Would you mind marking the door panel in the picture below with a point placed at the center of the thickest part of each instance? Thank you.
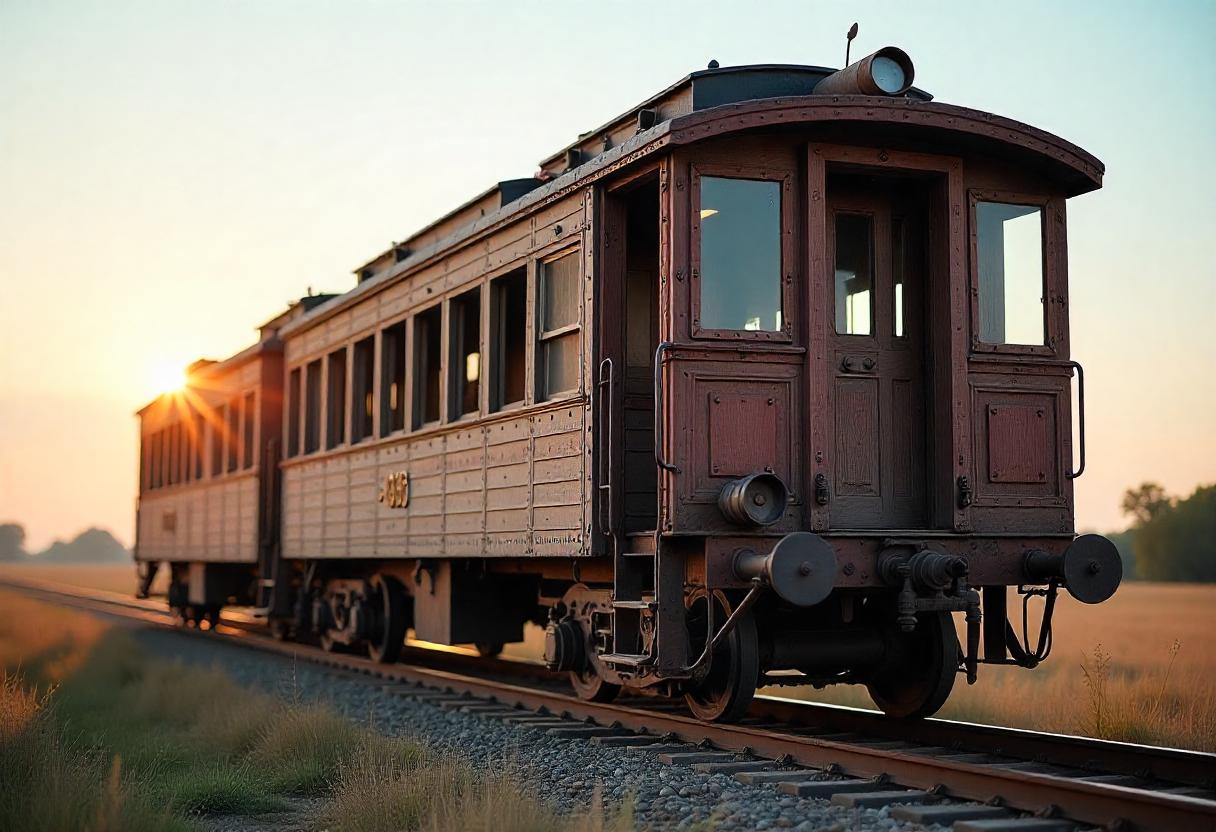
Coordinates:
(877, 343)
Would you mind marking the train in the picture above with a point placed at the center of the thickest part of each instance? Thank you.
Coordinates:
(764, 382)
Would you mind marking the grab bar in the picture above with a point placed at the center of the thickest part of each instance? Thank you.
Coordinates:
(1072, 475)
(663, 347)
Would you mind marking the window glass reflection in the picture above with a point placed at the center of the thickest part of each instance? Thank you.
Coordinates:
(1009, 250)
(854, 274)
(740, 254)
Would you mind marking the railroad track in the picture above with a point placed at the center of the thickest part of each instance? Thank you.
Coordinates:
(976, 777)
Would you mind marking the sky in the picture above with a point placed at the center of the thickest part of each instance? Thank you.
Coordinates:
(173, 173)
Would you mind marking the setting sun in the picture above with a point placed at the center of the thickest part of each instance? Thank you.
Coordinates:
(166, 377)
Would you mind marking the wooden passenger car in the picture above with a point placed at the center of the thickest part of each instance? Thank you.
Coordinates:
(759, 382)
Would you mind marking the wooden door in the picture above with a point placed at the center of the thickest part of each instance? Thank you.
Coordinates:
(876, 341)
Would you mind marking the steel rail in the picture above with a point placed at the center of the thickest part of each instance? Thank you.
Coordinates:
(1105, 804)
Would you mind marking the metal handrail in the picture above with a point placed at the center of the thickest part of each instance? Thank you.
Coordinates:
(663, 464)
(605, 430)
(1072, 475)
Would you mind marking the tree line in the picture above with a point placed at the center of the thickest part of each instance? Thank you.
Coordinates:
(90, 546)
(1170, 538)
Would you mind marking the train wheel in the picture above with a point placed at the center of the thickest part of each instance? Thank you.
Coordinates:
(389, 598)
(489, 649)
(723, 693)
(918, 680)
(591, 686)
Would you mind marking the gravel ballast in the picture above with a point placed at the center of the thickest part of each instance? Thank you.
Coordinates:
(563, 772)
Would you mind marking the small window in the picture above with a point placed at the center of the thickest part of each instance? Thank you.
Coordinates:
(740, 226)
(199, 426)
(312, 407)
(219, 439)
(174, 455)
(558, 355)
(234, 433)
(427, 341)
(293, 413)
(854, 274)
(187, 447)
(247, 446)
(392, 379)
(361, 399)
(154, 453)
(508, 323)
(465, 381)
(335, 404)
(1009, 254)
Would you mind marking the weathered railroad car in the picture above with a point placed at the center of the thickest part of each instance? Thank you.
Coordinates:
(759, 383)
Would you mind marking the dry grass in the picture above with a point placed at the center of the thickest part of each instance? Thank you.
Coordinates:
(1143, 689)
(117, 577)
(95, 736)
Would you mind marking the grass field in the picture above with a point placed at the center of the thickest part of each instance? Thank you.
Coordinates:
(1136, 668)
(94, 735)
(109, 577)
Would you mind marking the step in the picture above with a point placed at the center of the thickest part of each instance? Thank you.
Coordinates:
(878, 799)
(634, 605)
(626, 659)
(637, 554)
(944, 815)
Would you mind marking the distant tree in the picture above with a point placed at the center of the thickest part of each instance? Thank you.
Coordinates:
(1145, 502)
(90, 546)
(12, 542)
(1175, 540)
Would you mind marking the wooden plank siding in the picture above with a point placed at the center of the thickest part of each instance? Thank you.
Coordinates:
(511, 483)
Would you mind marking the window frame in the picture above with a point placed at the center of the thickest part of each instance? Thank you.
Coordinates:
(414, 378)
(362, 357)
(541, 392)
(249, 430)
(493, 395)
(455, 369)
(402, 356)
(1053, 298)
(315, 436)
(294, 421)
(785, 178)
(333, 403)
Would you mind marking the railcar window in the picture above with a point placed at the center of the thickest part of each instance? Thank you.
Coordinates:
(740, 227)
(234, 433)
(1009, 254)
(392, 379)
(427, 343)
(199, 423)
(854, 274)
(187, 448)
(293, 413)
(559, 336)
(508, 324)
(465, 349)
(312, 407)
(219, 438)
(154, 473)
(335, 406)
(174, 456)
(247, 445)
(361, 399)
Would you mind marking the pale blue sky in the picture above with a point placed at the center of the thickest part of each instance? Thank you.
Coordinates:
(171, 173)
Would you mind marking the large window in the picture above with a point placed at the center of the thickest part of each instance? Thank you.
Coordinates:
(392, 379)
(199, 428)
(1009, 271)
(312, 407)
(293, 413)
(427, 341)
(558, 353)
(361, 399)
(854, 274)
(335, 403)
(740, 269)
(465, 369)
(509, 339)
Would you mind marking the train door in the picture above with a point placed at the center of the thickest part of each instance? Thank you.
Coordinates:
(876, 344)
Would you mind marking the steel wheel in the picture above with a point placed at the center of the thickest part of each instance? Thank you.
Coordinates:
(489, 649)
(724, 691)
(389, 600)
(591, 686)
(917, 679)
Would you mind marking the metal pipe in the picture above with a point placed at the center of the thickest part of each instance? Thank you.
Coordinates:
(888, 71)
(827, 650)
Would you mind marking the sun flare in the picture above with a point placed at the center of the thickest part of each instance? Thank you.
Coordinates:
(167, 377)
